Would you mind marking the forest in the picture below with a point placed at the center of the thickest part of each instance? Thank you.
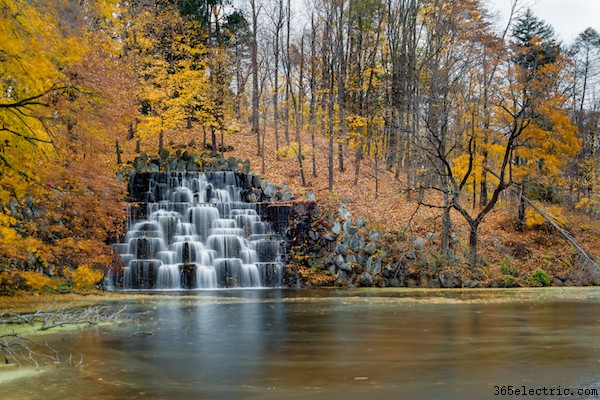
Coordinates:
(416, 105)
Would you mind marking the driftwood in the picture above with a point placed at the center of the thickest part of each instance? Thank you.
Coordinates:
(18, 349)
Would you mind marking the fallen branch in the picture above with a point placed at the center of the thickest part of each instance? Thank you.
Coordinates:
(18, 349)
(566, 235)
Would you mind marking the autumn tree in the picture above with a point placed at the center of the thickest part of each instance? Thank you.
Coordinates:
(59, 196)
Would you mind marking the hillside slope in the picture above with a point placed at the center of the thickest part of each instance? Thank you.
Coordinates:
(508, 257)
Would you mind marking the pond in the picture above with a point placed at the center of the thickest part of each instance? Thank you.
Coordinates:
(334, 344)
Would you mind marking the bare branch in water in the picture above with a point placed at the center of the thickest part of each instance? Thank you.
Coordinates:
(19, 349)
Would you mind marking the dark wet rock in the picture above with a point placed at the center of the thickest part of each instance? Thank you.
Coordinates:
(366, 279)
(449, 281)
(471, 283)
(329, 237)
(557, 282)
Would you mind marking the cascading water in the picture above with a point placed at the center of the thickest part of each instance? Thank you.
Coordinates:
(197, 233)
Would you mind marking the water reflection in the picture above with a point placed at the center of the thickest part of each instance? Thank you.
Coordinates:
(333, 345)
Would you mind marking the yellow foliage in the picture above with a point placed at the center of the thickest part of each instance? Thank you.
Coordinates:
(85, 277)
(292, 150)
(534, 220)
(35, 280)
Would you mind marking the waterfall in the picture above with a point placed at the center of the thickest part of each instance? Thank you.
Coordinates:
(197, 233)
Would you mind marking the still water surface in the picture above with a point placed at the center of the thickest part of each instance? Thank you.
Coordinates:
(332, 344)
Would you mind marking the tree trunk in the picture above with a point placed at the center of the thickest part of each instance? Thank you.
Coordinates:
(118, 151)
(521, 209)
(255, 127)
(214, 141)
(473, 237)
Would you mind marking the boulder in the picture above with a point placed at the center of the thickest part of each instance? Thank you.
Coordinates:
(370, 248)
(344, 213)
(357, 242)
(418, 243)
(337, 228)
(366, 279)
(375, 236)
(449, 281)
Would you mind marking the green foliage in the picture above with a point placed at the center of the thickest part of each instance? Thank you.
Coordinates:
(505, 267)
(540, 278)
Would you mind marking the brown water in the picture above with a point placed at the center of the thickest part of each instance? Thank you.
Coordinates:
(333, 344)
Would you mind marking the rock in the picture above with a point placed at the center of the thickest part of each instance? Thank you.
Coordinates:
(357, 242)
(341, 248)
(332, 269)
(418, 243)
(370, 248)
(557, 282)
(411, 282)
(375, 236)
(337, 228)
(346, 237)
(434, 283)
(366, 279)
(377, 267)
(351, 258)
(311, 196)
(410, 255)
(360, 222)
(192, 166)
(252, 197)
(344, 213)
(361, 258)
(569, 282)
(314, 235)
(342, 274)
(394, 282)
(246, 167)
(329, 237)
(449, 281)
(471, 283)
(287, 195)
(347, 224)
(431, 236)
(352, 229)
(339, 260)
(346, 267)
(423, 281)
(268, 188)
